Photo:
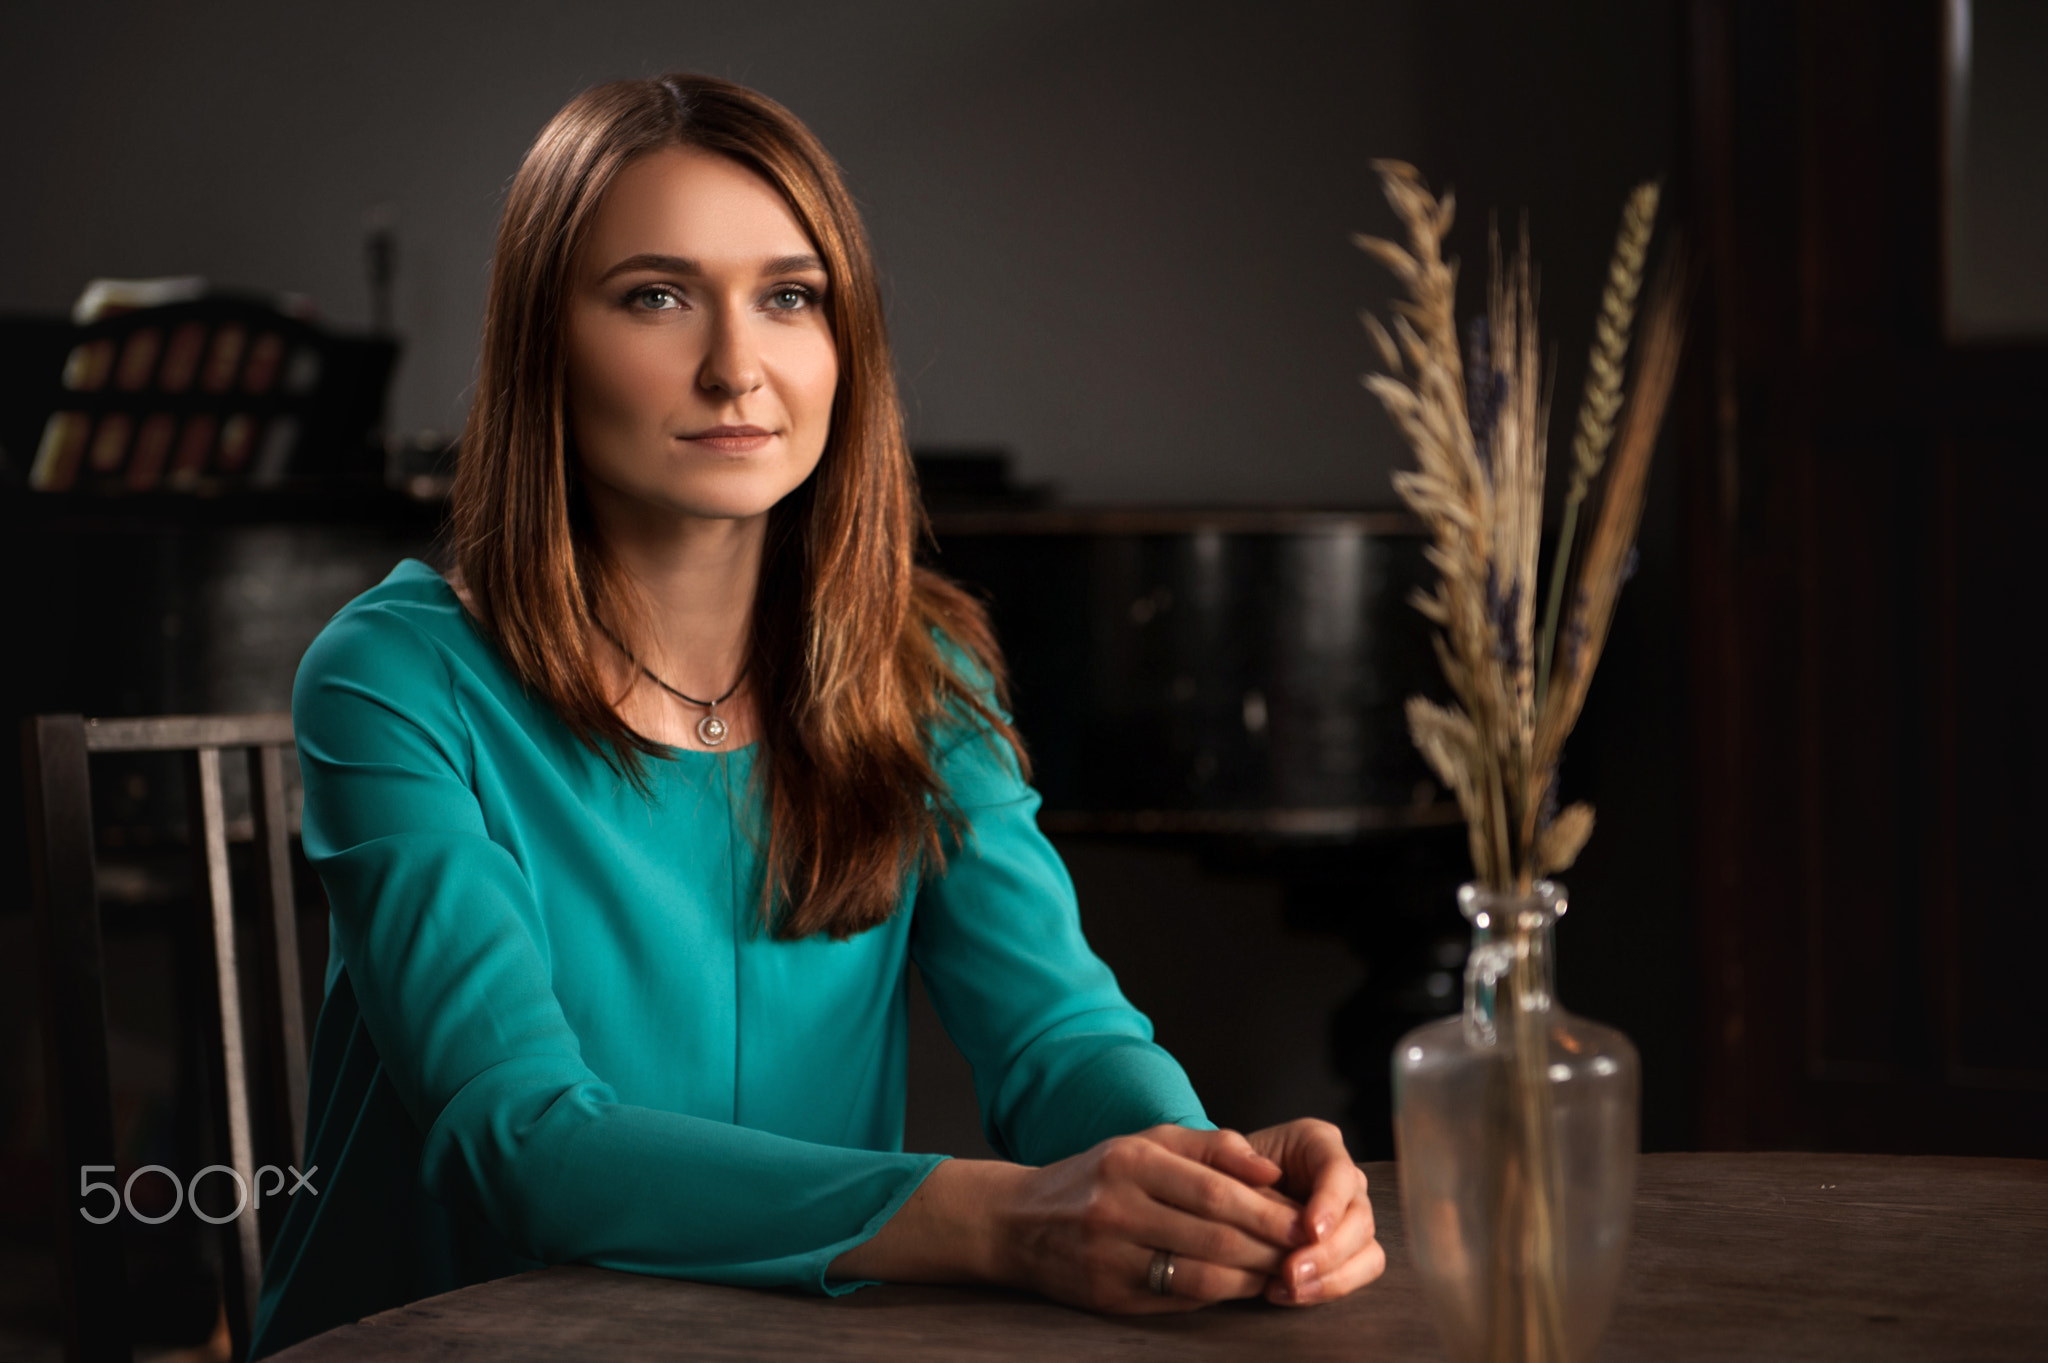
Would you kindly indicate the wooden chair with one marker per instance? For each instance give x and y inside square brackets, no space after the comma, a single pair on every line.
[68,939]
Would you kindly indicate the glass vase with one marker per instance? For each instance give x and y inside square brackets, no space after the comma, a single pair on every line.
[1515,1126]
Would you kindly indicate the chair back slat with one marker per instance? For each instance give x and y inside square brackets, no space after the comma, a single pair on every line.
[58,780]
[278,930]
[242,1263]
[91,1268]
[174,733]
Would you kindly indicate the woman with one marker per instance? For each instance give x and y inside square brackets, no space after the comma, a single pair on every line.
[631,828]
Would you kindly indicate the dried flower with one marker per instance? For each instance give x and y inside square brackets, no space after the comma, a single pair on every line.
[1475,417]
[1485,390]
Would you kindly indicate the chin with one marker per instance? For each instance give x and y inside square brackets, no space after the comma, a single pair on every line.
[733,492]
[727,499]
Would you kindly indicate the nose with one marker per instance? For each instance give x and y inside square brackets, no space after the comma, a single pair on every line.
[732,365]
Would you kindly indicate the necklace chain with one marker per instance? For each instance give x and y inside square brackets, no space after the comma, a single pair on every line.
[710,729]
[707,704]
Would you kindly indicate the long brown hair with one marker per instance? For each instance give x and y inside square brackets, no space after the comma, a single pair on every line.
[858,656]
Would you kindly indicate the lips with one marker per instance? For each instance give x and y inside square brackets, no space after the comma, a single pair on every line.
[731,439]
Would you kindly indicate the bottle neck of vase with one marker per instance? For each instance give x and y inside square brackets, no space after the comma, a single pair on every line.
[1508,977]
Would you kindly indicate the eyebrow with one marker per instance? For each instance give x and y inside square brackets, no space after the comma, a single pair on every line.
[683,265]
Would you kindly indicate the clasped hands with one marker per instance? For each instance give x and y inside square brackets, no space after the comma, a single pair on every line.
[1281,1213]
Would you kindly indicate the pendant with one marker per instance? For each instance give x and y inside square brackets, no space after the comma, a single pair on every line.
[711,730]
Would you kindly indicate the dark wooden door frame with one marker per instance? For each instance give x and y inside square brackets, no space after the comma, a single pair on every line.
[1849,480]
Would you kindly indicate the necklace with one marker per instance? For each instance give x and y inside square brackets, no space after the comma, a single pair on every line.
[711,730]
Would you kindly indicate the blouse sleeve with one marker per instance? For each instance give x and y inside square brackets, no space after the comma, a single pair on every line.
[1061,1060]
[446,951]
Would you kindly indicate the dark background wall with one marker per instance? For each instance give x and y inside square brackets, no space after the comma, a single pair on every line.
[1114,233]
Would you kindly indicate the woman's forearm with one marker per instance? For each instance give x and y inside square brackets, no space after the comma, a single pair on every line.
[948,1231]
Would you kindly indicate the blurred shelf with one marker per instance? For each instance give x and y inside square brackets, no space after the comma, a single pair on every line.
[336,503]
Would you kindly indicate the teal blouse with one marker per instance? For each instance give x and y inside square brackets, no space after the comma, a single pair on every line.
[555,1031]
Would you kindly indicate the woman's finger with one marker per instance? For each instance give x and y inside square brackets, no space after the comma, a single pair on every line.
[1194,1283]
[1168,1227]
[1206,1193]
[1337,1184]
[1354,1273]
[1225,1150]
[1347,1259]
[1332,1180]
[1319,1170]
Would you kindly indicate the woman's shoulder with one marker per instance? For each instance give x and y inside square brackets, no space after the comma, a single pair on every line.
[406,634]
[413,601]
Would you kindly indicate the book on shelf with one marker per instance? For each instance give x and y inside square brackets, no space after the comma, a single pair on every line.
[165,385]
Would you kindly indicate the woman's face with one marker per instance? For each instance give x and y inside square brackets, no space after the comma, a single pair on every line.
[701,367]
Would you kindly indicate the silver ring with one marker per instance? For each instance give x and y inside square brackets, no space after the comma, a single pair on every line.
[1160,1276]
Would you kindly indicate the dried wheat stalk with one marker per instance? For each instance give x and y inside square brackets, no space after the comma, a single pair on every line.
[1611,549]
[1604,372]
[1476,419]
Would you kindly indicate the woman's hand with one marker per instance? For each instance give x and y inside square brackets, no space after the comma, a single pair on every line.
[1318,1171]
[1084,1230]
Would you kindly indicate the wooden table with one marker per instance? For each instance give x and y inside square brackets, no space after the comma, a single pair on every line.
[1736,1257]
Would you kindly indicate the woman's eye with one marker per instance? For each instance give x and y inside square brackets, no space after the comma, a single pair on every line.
[654,298]
[791,298]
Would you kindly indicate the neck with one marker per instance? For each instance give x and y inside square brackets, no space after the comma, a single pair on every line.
[695,581]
